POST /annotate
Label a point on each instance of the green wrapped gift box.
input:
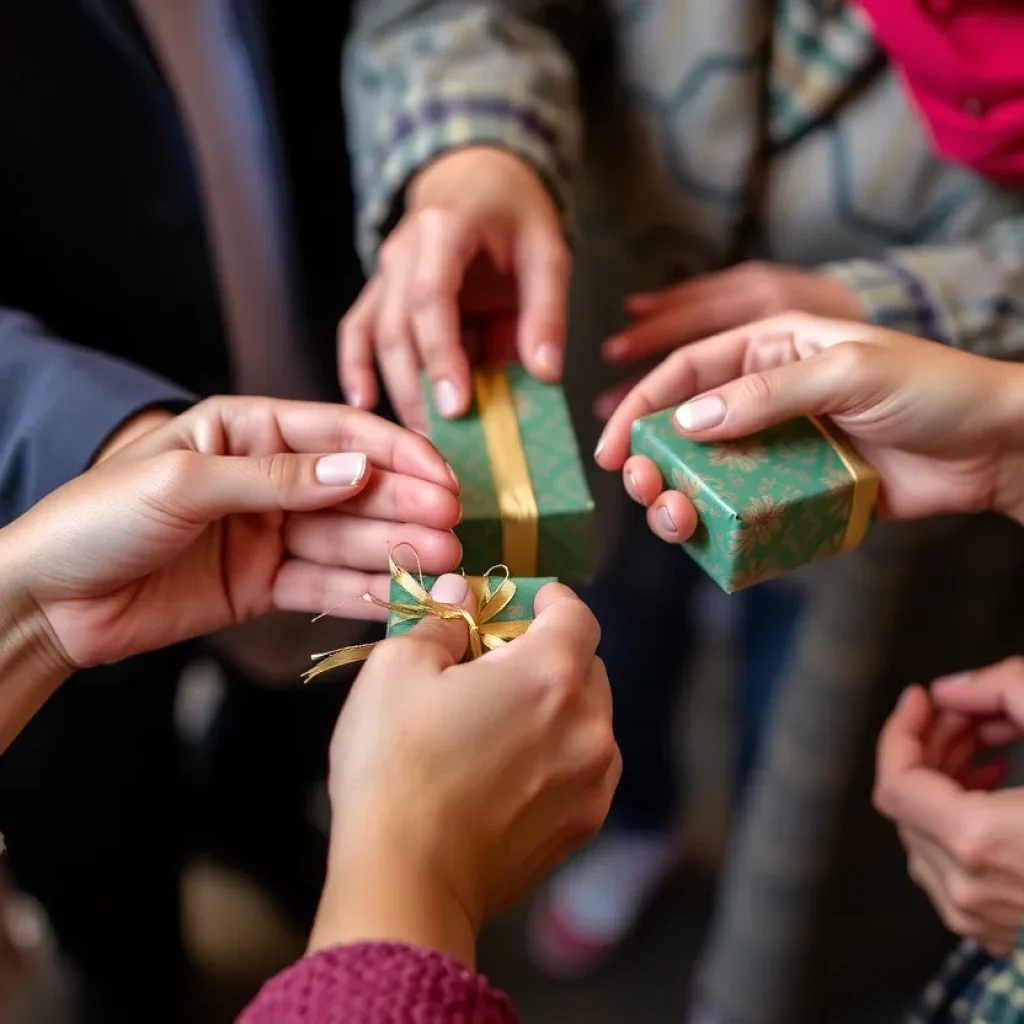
(525, 499)
(518, 609)
(768, 504)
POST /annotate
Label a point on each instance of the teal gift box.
(766, 504)
(524, 493)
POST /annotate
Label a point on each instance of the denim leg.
(769, 617)
(642, 603)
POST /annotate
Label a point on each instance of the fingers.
(996, 691)
(564, 632)
(355, 348)
(396, 344)
(263, 426)
(905, 789)
(446, 245)
(302, 586)
(839, 380)
(672, 518)
(642, 480)
(608, 401)
(543, 270)
(357, 543)
(401, 499)
(437, 643)
(206, 488)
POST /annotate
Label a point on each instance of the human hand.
(712, 303)
(233, 509)
(939, 425)
(478, 255)
(965, 846)
(455, 787)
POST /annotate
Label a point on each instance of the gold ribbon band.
(865, 486)
(484, 633)
(517, 503)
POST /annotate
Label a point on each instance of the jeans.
(642, 602)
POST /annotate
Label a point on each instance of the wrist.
(444, 180)
(1008, 440)
(379, 895)
(131, 430)
(31, 664)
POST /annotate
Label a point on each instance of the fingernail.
(957, 679)
(615, 347)
(632, 491)
(600, 445)
(345, 469)
(903, 697)
(549, 358)
(701, 413)
(665, 520)
(454, 479)
(450, 589)
(446, 397)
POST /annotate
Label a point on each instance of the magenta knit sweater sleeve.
(379, 983)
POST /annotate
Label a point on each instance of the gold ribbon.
(517, 503)
(865, 486)
(484, 633)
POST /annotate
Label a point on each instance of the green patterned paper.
(767, 504)
(519, 608)
(564, 504)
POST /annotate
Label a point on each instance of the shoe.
(595, 902)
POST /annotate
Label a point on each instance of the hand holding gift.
(460, 784)
(237, 507)
(940, 427)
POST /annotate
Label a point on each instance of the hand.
(455, 787)
(702, 306)
(480, 249)
(965, 846)
(238, 507)
(939, 425)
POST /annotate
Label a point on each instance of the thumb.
(444, 641)
(543, 270)
(214, 486)
(995, 691)
(838, 380)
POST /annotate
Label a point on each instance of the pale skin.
(188, 524)
(479, 267)
(945, 432)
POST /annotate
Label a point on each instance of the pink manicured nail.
(454, 479)
(665, 520)
(631, 489)
(549, 358)
(450, 589)
(345, 469)
(958, 679)
(447, 398)
(701, 413)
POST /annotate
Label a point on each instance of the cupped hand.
(479, 255)
(936, 765)
(455, 787)
(938, 424)
(663, 320)
(233, 509)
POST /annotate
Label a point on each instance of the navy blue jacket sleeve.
(58, 405)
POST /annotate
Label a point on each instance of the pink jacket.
(379, 983)
(963, 64)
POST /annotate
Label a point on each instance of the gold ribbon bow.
(484, 632)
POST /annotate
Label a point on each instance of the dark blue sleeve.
(58, 405)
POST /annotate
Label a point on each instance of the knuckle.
(965, 896)
(974, 844)
(756, 390)
(282, 471)
(174, 469)
(851, 359)
(592, 813)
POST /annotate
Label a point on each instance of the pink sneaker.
(595, 902)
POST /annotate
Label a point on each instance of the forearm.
(30, 669)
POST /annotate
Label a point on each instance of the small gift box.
(503, 606)
(767, 504)
(500, 610)
(525, 499)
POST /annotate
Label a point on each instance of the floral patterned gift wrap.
(767, 504)
(525, 500)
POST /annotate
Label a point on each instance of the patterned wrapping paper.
(766, 505)
(519, 609)
(565, 507)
